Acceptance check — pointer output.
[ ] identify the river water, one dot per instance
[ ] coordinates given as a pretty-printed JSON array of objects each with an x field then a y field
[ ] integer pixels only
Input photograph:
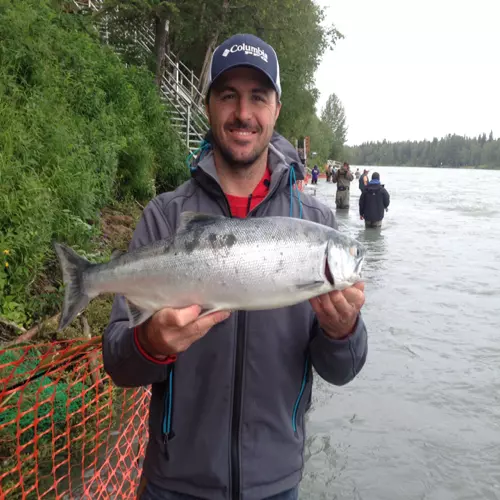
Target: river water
[{"x": 422, "y": 419}]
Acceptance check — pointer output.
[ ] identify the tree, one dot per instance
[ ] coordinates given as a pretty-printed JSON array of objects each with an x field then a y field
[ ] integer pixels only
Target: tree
[
  {"x": 450, "y": 151},
  {"x": 127, "y": 17},
  {"x": 296, "y": 29},
  {"x": 334, "y": 116}
]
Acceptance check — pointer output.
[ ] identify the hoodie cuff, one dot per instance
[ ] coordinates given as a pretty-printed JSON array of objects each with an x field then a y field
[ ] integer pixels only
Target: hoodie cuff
[{"x": 169, "y": 359}]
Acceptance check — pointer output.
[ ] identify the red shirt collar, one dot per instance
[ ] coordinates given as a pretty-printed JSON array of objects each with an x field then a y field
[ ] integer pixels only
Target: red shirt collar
[{"x": 241, "y": 205}]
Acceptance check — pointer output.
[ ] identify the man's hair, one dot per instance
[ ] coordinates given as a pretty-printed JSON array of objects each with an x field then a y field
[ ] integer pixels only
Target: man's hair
[{"x": 375, "y": 176}]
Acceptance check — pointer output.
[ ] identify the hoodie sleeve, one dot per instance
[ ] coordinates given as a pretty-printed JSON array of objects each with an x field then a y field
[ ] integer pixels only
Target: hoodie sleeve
[
  {"x": 124, "y": 360},
  {"x": 387, "y": 198},
  {"x": 338, "y": 361},
  {"x": 362, "y": 204}
]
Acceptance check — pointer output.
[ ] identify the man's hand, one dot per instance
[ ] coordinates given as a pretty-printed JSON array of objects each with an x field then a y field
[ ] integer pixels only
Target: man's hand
[
  {"x": 171, "y": 331},
  {"x": 337, "y": 311},
  {"x": 361, "y": 217}
]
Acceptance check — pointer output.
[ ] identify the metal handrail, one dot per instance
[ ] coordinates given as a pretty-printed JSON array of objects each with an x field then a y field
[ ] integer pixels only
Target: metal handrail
[{"x": 179, "y": 85}]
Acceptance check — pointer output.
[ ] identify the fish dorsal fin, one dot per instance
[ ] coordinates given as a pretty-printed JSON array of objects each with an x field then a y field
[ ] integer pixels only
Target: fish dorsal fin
[{"x": 188, "y": 220}]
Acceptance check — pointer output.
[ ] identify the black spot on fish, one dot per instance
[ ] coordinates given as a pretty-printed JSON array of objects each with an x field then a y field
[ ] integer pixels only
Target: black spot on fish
[
  {"x": 230, "y": 240},
  {"x": 190, "y": 245},
  {"x": 212, "y": 238}
]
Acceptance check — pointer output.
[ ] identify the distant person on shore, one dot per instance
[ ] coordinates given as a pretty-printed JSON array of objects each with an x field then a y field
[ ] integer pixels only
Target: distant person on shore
[
  {"x": 363, "y": 180},
  {"x": 315, "y": 174},
  {"x": 343, "y": 178},
  {"x": 373, "y": 202},
  {"x": 357, "y": 174}
]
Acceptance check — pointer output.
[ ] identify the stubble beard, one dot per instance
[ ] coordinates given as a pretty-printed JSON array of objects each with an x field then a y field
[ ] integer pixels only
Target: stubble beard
[{"x": 235, "y": 163}]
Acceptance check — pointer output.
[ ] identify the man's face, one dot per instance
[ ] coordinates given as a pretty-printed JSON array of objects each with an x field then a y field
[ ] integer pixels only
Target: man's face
[{"x": 242, "y": 110}]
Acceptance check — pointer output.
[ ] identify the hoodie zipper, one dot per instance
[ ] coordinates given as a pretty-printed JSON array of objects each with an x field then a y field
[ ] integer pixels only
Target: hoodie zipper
[
  {"x": 166, "y": 428},
  {"x": 241, "y": 319},
  {"x": 299, "y": 397},
  {"x": 237, "y": 400}
]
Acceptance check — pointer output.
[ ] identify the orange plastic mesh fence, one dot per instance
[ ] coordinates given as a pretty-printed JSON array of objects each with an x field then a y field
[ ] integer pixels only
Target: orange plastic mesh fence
[{"x": 66, "y": 431}]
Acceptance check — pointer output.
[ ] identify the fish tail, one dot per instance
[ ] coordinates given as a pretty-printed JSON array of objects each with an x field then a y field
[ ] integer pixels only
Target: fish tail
[{"x": 75, "y": 299}]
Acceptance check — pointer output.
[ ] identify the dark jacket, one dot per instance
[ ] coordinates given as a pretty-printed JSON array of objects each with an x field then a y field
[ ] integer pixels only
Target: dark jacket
[
  {"x": 373, "y": 201},
  {"x": 227, "y": 418}
]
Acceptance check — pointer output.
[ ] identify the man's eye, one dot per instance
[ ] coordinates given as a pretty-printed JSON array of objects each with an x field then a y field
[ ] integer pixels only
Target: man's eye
[
  {"x": 258, "y": 98},
  {"x": 227, "y": 97}
]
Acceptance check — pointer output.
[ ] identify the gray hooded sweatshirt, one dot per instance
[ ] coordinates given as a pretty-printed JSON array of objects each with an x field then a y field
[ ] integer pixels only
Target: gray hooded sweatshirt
[{"x": 226, "y": 419}]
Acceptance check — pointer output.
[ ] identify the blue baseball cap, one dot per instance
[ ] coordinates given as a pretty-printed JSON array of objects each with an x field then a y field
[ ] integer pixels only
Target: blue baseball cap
[{"x": 245, "y": 50}]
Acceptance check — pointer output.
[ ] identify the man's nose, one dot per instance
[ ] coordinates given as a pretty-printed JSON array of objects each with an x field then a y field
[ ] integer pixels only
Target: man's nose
[{"x": 244, "y": 109}]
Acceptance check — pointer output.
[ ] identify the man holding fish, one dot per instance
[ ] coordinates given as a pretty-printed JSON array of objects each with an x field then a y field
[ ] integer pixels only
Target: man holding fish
[{"x": 272, "y": 296}]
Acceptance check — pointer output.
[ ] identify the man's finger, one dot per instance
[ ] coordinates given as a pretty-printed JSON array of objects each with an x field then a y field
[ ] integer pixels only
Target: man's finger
[
  {"x": 340, "y": 305},
  {"x": 354, "y": 296},
  {"x": 316, "y": 305},
  {"x": 202, "y": 325},
  {"x": 328, "y": 305},
  {"x": 181, "y": 317},
  {"x": 360, "y": 285}
]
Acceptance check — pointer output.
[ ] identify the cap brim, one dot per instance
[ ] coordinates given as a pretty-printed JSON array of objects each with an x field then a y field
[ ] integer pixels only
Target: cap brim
[{"x": 245, "y": 65}]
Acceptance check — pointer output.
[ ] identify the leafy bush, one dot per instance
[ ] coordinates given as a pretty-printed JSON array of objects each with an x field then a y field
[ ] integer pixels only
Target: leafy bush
[{"x": 78, "y": 129}]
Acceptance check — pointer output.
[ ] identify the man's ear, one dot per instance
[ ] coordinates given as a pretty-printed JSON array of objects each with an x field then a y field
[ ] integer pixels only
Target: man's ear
[{"x": 278, "y": 110}]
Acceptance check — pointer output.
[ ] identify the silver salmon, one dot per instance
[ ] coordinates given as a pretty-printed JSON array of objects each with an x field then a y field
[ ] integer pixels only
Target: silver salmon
[{"x": 218, "y": 263}]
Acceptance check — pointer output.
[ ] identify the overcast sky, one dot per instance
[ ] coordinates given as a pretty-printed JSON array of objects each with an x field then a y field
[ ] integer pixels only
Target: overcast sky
[{"x": 414, "y": 69}]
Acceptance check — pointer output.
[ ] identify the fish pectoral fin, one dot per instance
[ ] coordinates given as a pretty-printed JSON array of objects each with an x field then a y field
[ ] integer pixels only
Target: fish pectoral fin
[
  {"x": 136, "y": 315},
  {"x": 207, "y": 311},
  {"x": 190, "y": 219},
  {"x": 310, "y": 286}
]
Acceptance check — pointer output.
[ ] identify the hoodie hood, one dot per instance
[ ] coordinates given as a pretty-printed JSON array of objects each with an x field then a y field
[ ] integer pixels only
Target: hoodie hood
[
  {"x": 290, "y": 155},
  {"x": 374, "y": 186}
]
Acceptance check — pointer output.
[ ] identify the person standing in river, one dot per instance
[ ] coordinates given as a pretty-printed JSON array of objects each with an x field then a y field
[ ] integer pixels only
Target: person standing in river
[
  {"x": 229, "y": 391},
  {"x": 343, "y": 177},
  {"x": 373, "y": 202},
  {"x": 363, "y": 180}
]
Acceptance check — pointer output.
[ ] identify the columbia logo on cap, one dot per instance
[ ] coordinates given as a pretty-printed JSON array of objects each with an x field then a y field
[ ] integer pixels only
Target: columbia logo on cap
[{"x": 248, "y": 50}]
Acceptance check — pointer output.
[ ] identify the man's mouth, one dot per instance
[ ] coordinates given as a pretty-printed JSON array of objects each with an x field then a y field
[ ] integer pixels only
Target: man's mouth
[{"x": 242, "y": 133}]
